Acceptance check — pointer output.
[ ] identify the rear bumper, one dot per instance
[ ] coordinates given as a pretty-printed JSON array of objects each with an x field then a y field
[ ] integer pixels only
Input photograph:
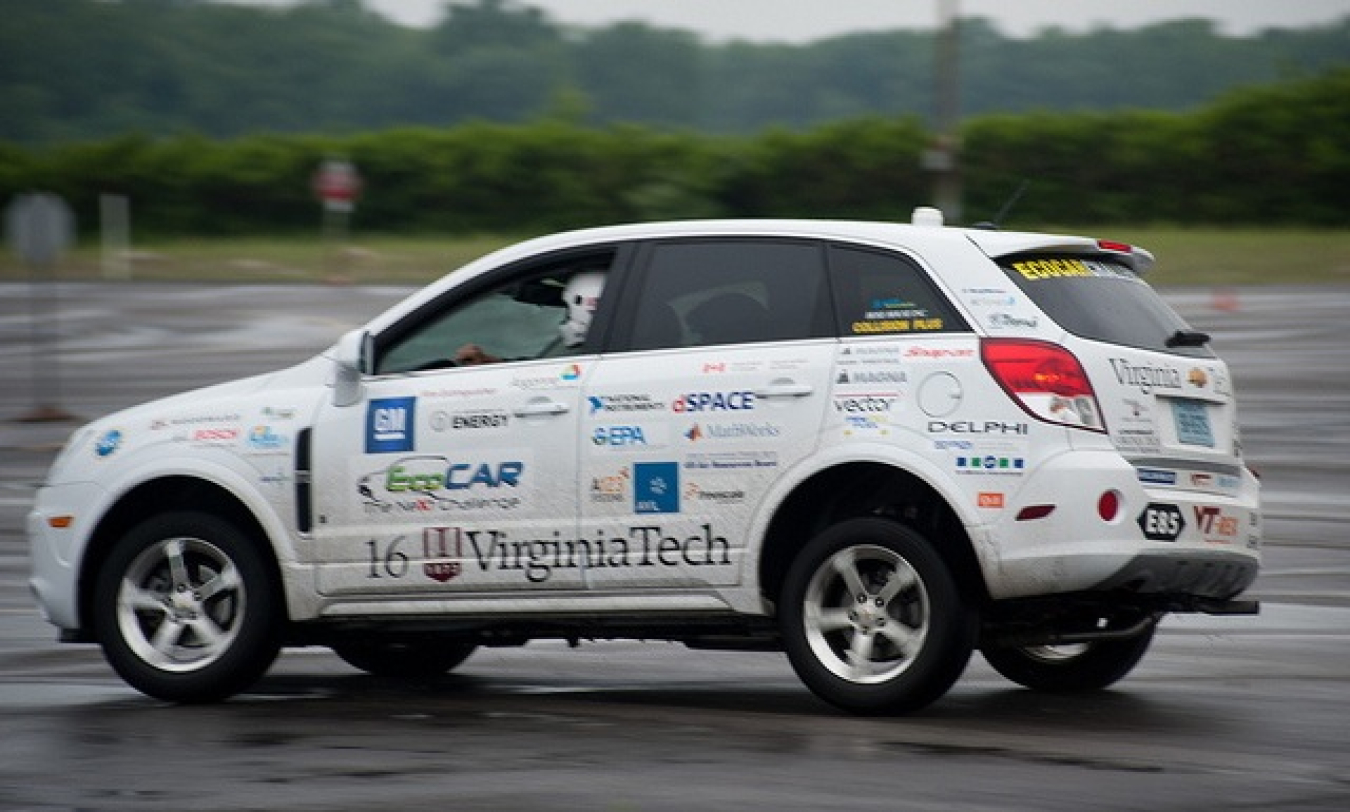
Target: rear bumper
[{"x": 1205, "y": 546}]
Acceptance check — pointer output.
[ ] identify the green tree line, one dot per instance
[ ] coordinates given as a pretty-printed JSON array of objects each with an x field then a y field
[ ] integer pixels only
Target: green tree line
[
  {"x": 1276, "y": 153},
  {"x": 89, "y": 69}
]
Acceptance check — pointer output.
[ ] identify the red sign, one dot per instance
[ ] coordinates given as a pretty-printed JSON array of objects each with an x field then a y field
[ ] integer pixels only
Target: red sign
[{"x": 337, "y": 184}]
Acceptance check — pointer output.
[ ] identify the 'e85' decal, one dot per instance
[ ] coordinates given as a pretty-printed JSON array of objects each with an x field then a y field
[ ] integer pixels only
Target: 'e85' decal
[{"x": 1161, "y": 522}]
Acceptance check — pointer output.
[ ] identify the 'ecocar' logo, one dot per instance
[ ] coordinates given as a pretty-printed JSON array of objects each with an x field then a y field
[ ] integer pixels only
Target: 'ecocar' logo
[{"x": 740, "y": 401}]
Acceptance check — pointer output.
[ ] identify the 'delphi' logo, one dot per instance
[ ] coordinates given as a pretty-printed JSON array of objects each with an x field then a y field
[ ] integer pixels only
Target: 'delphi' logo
[{"x": 389, "y": 425}]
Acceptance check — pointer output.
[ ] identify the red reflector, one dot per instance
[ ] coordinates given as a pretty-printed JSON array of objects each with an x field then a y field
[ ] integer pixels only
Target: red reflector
[
  {"x": 1032, "y": 512},
  {"x": 1110, "y": 245},
  {"x": 1108, "y": 506}
]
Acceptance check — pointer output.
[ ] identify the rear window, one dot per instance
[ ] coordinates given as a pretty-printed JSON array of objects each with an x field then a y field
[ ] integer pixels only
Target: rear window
[{"x": 1099, "y": 299}]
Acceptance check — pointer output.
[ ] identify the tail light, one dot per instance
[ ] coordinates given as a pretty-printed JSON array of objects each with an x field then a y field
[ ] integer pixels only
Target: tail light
[{"x": 1046, "y": 380}]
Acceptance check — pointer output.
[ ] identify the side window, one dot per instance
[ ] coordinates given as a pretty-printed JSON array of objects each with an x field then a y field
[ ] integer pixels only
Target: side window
[
  {"x": 538, "y": 313},
  {"x": 701, "y": 293},
  {"x": 880, "y": 293}
]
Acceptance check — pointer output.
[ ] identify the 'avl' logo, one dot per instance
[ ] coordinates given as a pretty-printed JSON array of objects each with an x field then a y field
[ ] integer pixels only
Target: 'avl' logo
[
  {"x": 656, "y": 487},
  {"x": 389, "y": 425}
]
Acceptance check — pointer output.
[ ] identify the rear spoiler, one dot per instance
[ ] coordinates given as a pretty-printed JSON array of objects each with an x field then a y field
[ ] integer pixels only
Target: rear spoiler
[{"x": 999, "y": 244}]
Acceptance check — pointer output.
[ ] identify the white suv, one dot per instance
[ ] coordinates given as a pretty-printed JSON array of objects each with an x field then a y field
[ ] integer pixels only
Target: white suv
[{"x": 874, "y": 446}]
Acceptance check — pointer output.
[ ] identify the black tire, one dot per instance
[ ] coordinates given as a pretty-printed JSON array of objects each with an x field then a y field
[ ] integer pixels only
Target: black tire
[
  {"x": 187, "y": 609},
  {"x": 404, "y": 659},
  {"x": 1070, "y": 669},
  {"x": 872, "y": 619}
]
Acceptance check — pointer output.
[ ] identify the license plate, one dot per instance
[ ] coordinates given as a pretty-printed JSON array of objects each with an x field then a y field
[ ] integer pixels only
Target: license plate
[{"x": 1192, "y": 419}]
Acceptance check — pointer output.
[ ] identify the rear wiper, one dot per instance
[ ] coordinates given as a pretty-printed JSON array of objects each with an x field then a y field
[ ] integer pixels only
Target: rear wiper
[{"x": 1187, "y": 338}]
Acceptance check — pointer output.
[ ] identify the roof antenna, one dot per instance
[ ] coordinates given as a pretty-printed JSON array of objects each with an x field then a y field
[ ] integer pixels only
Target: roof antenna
[{"x": 997, "y": 222}]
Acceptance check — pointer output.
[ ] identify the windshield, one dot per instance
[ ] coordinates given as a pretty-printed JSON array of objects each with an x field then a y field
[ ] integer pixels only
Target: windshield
[{"x": 1099, "y": 299}]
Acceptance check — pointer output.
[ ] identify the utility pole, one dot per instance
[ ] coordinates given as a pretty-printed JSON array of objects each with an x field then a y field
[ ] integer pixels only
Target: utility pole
[{"x": 942, "y": 160}]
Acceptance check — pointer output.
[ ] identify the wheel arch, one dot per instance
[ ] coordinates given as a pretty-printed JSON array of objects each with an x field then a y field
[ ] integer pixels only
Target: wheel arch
[
  {"x": 869, "y": 488},
  {"x": 175, "y": 493}
]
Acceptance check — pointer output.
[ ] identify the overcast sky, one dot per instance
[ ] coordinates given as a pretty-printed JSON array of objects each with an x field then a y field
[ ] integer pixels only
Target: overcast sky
[{"x": 805, "y": 20}]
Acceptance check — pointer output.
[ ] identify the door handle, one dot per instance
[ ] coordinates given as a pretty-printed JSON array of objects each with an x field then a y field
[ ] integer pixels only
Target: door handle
[
  {"x": 535, "y": 408},
  {"x": 785, "y": 389}
]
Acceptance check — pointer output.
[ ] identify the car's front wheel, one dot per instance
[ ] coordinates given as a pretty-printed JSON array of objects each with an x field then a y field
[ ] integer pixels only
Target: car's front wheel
[
  {"x": 186, "y": 608},
  {"x": 872, "y": 619},
  {"x": 1070, "y": 668}
]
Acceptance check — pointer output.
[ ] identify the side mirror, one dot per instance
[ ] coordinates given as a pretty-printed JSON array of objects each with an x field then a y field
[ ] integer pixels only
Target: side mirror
[{"x": 351, "y": 361}]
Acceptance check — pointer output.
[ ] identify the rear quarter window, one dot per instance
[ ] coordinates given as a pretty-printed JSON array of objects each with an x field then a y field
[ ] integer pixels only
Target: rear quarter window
[
  {"x": 1099, "y": 299},
  {"x": 879, "y": 293}
]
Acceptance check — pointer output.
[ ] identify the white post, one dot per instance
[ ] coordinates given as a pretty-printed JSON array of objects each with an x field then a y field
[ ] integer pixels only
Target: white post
[{"x": 115, "y": 222}]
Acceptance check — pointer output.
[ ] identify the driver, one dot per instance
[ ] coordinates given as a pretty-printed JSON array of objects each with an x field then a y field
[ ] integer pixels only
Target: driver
[{"x": 581, "y": 296}]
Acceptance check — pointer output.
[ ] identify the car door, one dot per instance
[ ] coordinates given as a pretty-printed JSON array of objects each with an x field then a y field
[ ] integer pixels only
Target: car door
[
  {"x": 718, "y": 386},
  {"x": 444, "y": 480}
]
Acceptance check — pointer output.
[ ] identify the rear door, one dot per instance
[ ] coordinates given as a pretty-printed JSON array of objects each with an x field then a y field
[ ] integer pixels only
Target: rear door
[{"x": 718, "y": 385}]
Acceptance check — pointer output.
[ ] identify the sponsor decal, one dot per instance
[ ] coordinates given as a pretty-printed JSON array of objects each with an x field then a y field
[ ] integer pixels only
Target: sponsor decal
[
  {"x": 896, "y": 326},
  {"x": 737, "y": 401},
  {"x": 1145, "y": 377},
  {"x": 1155, "y": 476},
  {"x": 1134, "y": 429},
  {"x": 871, "y": 376},
  {"x": 923, "y": 353},
  {"x": 731, "y": 461},
  {"x": 278, "y": 412},
  {"x": 470, "y": 420},
  {"x": 621, "y": 437},
  {"x": 193, "y": 420},
  {"x": 434, "y": 483},
  {"x": 611, "y": 488},
  {"x": 732, "y": 431},
  {"x": 264, "y": 438},
  {"x": 864, "y": 404},
  {"x": 1160, "y": 521},
  {"x": 989, "y": 297},
  {"x": 479, "y": 392},
  {"x": 862, "y": 352},
  {"x": 449, "y": 550},
  {"x": 1216, "y": 526},
  {"x": 107, "y": 444},
  {"x": 214, "y": 435},
  {"x": 656, "y": 487},
  {"x": 895, "y": 315},
  {"x": 990, "y": 464},
  {"x": 568, "y": 374},
  {"x": 990, "y": 427},
  {"x": 1038, "y": 269},
  {"x": 953, "y": 445},
  {"x": 991, "y": 500},
  {"x": 1197, "y": 378},
  {"x": 724, "y": 367},
  {"x": 442, "y": 549},
  {"x": 694, "y": 492},
  {"x": 389, "y": 425},
  {"x": 1011, "y": 321},
  {"x": 624, "y": 403}
]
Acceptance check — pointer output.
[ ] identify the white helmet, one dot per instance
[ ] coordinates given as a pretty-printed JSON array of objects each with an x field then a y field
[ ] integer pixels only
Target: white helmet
[{"x": 582, "y": 296}]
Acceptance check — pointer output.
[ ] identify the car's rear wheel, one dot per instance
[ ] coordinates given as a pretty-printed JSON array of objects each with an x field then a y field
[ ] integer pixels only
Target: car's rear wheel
[
  {"x": 872, "y": 619},
  {"x": 1070, "y": 668},
  {"x": 404, "y": 658},
  {"x": 186, "y": 609}
]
